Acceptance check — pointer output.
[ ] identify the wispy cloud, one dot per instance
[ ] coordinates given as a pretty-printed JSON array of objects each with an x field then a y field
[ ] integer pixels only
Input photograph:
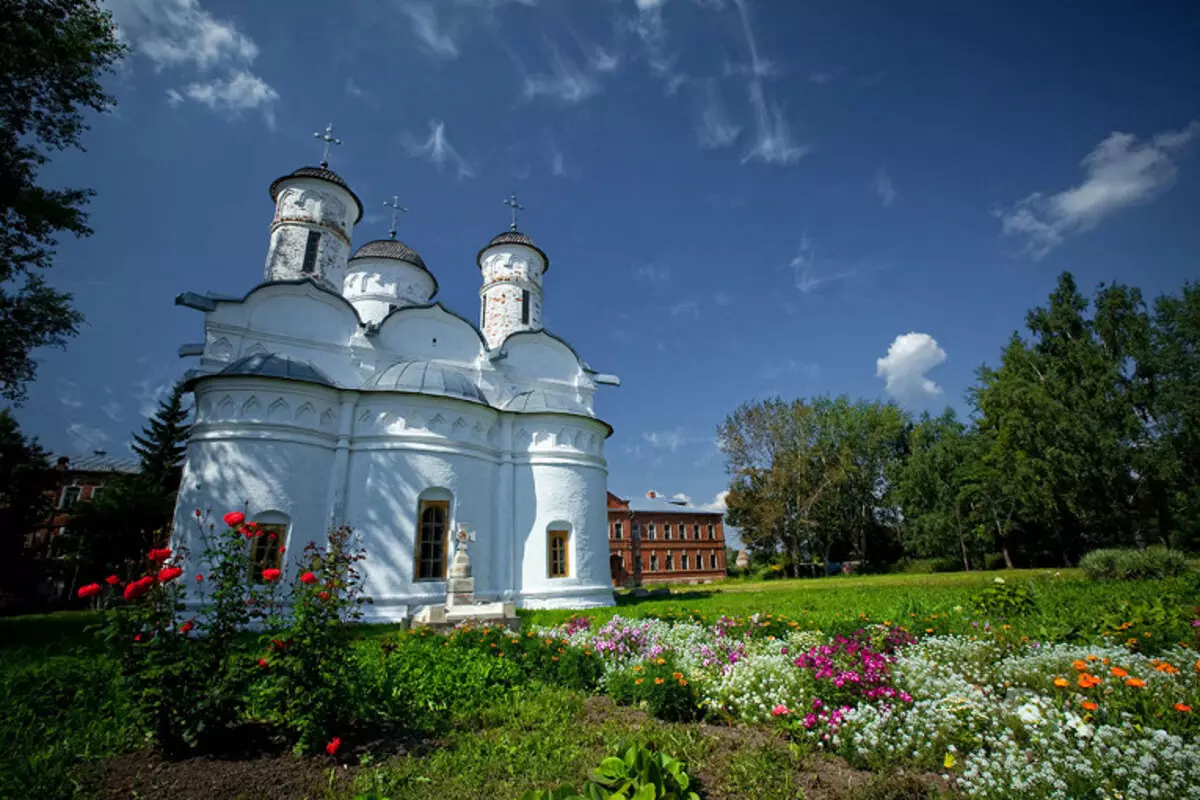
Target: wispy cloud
[
  {"x": 715, "y": 129},
  {"x": 181, "y": 35},
  {"x": 884, "y": 189},
  {"x": 722, "y": 299},
  {"x": 86, "y": 439},
  {"x": 566, "y": 81},
  {"x": 599, "y": 59},
  {"x": 434, "y": 38},
  {"x": 68, "y": 394},
  {"x": 772, "y": 141},
  {"x": 903, "y": 369},
  {"x": 813, "y": 272},
  {"x": 824, "y": 78},
  {"x": 671, "y": 440},
  {"x": 689, "y": 308},
  {"x": 360, "y": 94},
  {"x": 438, "y": 150},
  {"x": 112, "y": 409},
  {"x": 653, "y": 273},
  {"x": 558, "y": 166},
  {"x": 651, "y": 32},
  {"x": 1120, "y": 172},
  {"x": 789, "y": 367}
]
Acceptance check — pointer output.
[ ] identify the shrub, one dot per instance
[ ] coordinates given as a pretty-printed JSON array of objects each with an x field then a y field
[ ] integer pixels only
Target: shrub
[
  {"x": 1129, "y": 565},
  {"x": 1003, "y": 599},
  {"x": 637, "y": 772},
  {"x": 658, "y": 686}
]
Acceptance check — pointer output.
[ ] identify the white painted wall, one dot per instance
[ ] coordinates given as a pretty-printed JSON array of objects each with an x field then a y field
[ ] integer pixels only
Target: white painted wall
[
  {"x": 310, "y": 204},
  {"x": 373, "y": 285},
  {"x": 509, "y": 270}
]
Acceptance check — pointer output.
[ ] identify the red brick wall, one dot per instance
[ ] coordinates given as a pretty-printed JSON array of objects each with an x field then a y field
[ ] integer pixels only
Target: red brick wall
[{"x": 623, "y": 552}]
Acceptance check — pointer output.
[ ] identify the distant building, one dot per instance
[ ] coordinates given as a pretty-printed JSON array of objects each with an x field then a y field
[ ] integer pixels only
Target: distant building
[
  {"x": 743, "y": 559},
  {"x": 79, "y": 479},
  {"x": 653, "y": 539}
]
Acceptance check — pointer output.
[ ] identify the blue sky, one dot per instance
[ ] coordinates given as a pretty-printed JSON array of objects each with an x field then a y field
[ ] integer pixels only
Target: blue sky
[{"x": 739, "y": 197}]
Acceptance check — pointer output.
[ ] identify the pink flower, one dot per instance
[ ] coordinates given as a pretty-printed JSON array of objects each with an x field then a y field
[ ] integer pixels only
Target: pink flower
[
  {"x": 779, "y": 710},
  {"x": 234, "y": 518}
]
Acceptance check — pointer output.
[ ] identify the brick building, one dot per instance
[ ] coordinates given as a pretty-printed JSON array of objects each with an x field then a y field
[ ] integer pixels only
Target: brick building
[
  {"x": 80, "y": 478},
  {"x": 652, "y": 539}
]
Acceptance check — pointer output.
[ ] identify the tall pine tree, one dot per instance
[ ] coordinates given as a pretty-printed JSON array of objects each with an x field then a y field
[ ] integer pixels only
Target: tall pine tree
[{"x": 163, "y": 442}]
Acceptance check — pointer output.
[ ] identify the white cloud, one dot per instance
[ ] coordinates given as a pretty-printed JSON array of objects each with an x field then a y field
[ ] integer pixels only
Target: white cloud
[
  {"x": 182, "y": 35},
  {"x": 112, "y": 410},
  {"x": 717, "y": 503},
  {"x": 722, "y": 299},
  {"x": 715, "y": 129},
  {"x": 884, "y": 189},
  {"x": 772, "y": 141},
  {"x": 653, "y": 273},
  {"x": 85, "y": 439},
  {"x": 647, "y": 5},
  {"x": 241, "y": 91},
  {"x": 1120, "y": 172},
  {"x": 681, "y": 497},
  {"x": 68, "y": 394},
  {"x": 424, "y": 22},
  {"x": 903, "y": 369},
  {"x": 812, "y": 274},
  {"x": 558, "y": 166},
  {"x": 688, "y": 307},
  {"x": 566, "y": 82},
  {"x": 438, "y": 150},
  {"x": 790, "y": 367},
  {"x": 149, "y": 394},
  {"x": 648, "y": 26},
  {"x": 670, "y": 440},
  {"x": 600, "y": 60}
]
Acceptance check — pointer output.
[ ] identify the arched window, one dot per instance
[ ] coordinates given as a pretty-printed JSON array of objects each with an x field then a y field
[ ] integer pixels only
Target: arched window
[
  {"x": 264, "y": 552},
  {"x": 433, "y": 522},
  {"x": 558, "y": 555}
]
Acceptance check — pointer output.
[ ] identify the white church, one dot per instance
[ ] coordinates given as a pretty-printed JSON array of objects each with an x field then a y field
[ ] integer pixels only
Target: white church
[{"x": 338, "y": 390}]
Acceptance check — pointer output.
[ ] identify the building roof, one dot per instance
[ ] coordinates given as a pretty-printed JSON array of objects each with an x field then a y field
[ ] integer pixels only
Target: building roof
[
  {"x": 424, "y": 377},
  {"x": 659, "y": 505},
  {"x": 100, "y": 462},
  {"x": 537, "y": 400},
  {"x": 390, "y": 248},
  {"x": 270, "y": 365},
  {"x": 321, "y": 174},
  {"x": 513, "y": 237}
]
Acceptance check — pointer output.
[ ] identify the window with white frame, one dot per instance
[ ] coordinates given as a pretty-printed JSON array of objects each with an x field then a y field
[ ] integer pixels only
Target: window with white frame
[
  {"x": 70, "y": 496},
  {"x": 696, "y": 531},
  {"x": 666, "y": 530},
  {"x": 683, "y": 561},
  {"x": 653, "y": 562},
  {"x": 618, "y": 530},
  {"x": 651, "y": 534},
  {"x": 670, "y": 563},
  {"x": 712, "y": 531}
]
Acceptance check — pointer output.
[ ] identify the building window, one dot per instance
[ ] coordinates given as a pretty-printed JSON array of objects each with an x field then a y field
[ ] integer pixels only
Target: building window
[
  {"x": 683, "y": 561},
  {"x": 682, "y": 531},
  {"x": 653, "y": 562},
  {"x": 670, "y": 563},
  {"x": 618, "y": 530},
  {"x": 639, "y": 563},
  {"x": 483, "y": 312},
  {"x": 264, "y": 552},
  {"x": 433, "y": 519},
  {"x": 310, "y": 252},
  {"x": 70, "y": 497},
  {"x": 651, "y": 533},
  {"x": 637, "y": 531},
  {"x": 525, "y": 307},
  {"x": 666, "y": 530},
  {"x": 560, "y": 565},
  {"x": 712, "y": 560},
  {"x": 696, "y": 531},
  {"x": 712, "y": 531},
  {"x": 699, "y": 560},
  {"x": 95, "y": 492}
]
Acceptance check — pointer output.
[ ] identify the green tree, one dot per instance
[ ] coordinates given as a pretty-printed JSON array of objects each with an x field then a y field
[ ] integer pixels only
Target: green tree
[
  {"x": 163, "y": 441},
  {"x": 53, "y": 56},
  {"x": 25, "y": 481}
]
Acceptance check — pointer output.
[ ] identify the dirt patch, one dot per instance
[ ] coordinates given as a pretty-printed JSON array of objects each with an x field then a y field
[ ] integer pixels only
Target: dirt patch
[{"x": 256, "y": 765}]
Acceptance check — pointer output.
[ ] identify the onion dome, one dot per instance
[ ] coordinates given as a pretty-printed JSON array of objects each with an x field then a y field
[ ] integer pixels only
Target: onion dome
[
  {"x": 423, "y": 377},
  {"x": 321, "y": 174},
  {"x": 390, "y": 248},
  {"x": 271, "y": 365},
  {"x": 513, "y": 237}
]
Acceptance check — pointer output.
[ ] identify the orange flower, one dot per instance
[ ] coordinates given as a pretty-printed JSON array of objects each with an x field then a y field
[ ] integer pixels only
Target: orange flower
[
  {"x": 1061, "y": 682},
  {"x": 657, "y": 681},
  {"x": 1117, "y": 672},
  {"x": 1136, "y": 683},
  {"x": 929, "y": 630},
  {"x": 1079, "y": 665},
  {"x": 1181, "y": 708},
  {"x": 638, "y": 682},
  {"x": 1087, "y": 681},
  {"x": 1089, "y": 705},
  {"x": 1093, "y": 658}
]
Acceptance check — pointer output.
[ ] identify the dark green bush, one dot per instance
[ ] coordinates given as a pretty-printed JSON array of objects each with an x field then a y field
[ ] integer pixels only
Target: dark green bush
[
  {"x": 660, "y": 688},
  {"x": 994, "y": 561},
  {"x": 1131, "y": 565},
  {"x": 1003, "y": 600}
]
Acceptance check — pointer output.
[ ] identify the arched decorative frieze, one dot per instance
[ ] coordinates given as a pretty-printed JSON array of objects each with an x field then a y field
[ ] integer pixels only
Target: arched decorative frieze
[
  {"x": 477, "y": 432},
  {"x": 493, "y": 434},
  {"x": 459, "y": 429},
  {"x": 255, "y": 349},
  {"x": 226, "y": 409},
  {"x": 579, "y": 442},
  {"x": 437, "y": 424},
  {"x": 251, "y": 407},
  {"x": 221, "y": 349},
  {"x": 326, "y": 422},
  {"x": 522, "y": 440},
  {"x": 415, "y": 421},
  {"x": 305, "y": 414},
  {"x": 279, "y": 410},
  {"x": 363, "y": 424}
]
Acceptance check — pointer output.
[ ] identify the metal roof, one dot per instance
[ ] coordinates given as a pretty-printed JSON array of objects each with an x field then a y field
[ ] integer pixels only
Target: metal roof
[
  {"x": 423, "y": 377},
  {"x": 513, "y": 237},
  {"x": 538, "y": 400},
  {"x": 321, "y": 174},
  {"x": 270, "y": 365},
  {"x": 658, "y": 505},
  {"x": 100, "y": 463},
  {"x": 390, "y": 248}
]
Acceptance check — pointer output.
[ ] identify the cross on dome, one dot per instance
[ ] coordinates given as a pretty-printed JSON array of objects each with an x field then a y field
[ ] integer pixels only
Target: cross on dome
[
  {"x": 329, "y": 139},
  {"x": 512, "y": 203},
  {"x": 396, "y": 209}
]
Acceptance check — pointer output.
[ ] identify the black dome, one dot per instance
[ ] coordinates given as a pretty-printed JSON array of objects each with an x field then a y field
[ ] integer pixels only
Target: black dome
[
  {"x": 514, "y": 237},
  {"x": 322, "y": 174},
  {"x": 390, "y": 248}
]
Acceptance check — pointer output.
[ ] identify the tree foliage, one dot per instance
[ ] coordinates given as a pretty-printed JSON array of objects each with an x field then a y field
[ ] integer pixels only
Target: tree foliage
[
  {"x": 54, "y": 55},
  {"x": 162, "y": 443},
  {"x": 25, "y": 480},
  {"x": 1085, "y": 435}
]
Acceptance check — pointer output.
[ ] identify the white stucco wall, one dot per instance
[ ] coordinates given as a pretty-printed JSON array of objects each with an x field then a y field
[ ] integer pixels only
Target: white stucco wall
[
  {"x": 310, "y": 204},
  {"x": 508, "y": 270},
  {"x": 373, "y": 285}
]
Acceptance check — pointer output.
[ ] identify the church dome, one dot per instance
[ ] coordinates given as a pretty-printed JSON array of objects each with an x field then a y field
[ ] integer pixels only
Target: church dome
[
  {"x": 423, "y": 377},
  {"x": 321, "y": 174},
  {"x": 513, "y": 237},
  {"x": 270, "y": 365},
  {"x": 537, "y": 400},
  {"x": 390, "y": 248}
]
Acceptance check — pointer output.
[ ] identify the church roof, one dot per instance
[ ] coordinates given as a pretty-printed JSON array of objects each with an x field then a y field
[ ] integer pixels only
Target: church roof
[
  {"x": 513, "y": 237},
  {"x": 423, "y": 377},
  {"x": 270, "y": 365},
  {"x": 390, "y": 248},
  {"x": 537, "y": 400},
  {"x": 321, "y": 174}
]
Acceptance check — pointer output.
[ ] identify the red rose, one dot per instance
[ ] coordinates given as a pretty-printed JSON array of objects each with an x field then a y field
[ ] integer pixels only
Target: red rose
[
  {"x": 187, "y": 626},
  {"x": 160, "y": 554},
  {"x": 282, "y": 550},
  {"x": 112, "y": 580},
  {"x": 199, "y": 578},
  {"x": 138, "y": 588},
  {"x": 333, "y": 746},
  {"x": 234, "y": 518},
  {"x": 169, "y": 574},
  {"x": 197, "y": 512},
  {"x": 271, "y": 574},
  {"x": 323, "y": 595},
  {"x": 91, "y": 590},
  {"x": 308, "y": 577},
  {"x": 137, "y": 638},
  {"x": 262, "y": 662}
]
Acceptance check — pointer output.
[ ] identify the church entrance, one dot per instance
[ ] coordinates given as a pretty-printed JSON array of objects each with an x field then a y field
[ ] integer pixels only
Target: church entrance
[{"x": 618, "y": 570}]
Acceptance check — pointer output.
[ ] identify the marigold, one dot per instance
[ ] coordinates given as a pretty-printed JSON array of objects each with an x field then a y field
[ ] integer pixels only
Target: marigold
[
  {"x": 1089, "y": 705},
  {"x": 657, "y": 681},
  {"x": 1117, "y": 672},
  {"x": 1181, "y": 708},
  {"x": 1087, "y": 681},
  {"x": 1079, "y": 665},
  {"x": 1136, "y": 683},
  {"x": 638, "y": 682}
]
